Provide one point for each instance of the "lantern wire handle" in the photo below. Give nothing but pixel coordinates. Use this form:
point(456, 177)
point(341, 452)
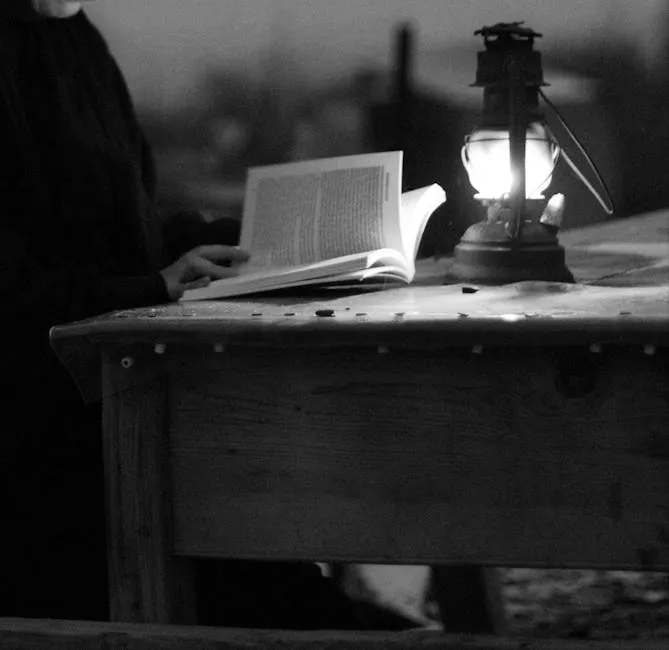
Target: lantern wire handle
point(606, 205)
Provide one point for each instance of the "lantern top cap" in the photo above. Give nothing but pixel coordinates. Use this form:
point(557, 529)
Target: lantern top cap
point(507, 43)
point(507, 31)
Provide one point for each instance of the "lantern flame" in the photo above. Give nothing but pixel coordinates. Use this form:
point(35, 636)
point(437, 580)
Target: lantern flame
point(487, 159)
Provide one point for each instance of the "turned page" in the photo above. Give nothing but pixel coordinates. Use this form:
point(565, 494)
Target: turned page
point(312, 211)
point(416, 208)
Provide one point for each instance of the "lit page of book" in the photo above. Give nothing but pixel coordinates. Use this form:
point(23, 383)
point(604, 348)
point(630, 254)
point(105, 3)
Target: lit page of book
point(305, 213)
point(416, 208)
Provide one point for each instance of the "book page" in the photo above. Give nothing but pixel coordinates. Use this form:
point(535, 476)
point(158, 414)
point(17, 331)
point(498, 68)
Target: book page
point(262, 280)
point(416, 208)
point(361, 266)
point(311, 211)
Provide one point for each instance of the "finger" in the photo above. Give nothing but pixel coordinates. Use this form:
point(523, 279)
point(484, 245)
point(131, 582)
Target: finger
point(221, 253)
point(207, 268)
point(195, 284)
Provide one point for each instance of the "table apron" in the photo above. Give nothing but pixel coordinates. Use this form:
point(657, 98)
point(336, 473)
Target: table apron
point(511, 457)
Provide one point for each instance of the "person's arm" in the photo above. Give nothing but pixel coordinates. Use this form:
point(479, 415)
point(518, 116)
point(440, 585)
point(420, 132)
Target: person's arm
point(57, 290)
point(38, 279)
point(47, 276)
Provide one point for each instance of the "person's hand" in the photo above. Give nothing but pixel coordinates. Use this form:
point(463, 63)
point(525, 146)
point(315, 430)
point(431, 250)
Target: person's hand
point(199, 266)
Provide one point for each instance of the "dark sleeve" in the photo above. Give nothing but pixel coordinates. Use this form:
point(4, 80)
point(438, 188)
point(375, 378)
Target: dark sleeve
point(56, 290)
point(39, 280)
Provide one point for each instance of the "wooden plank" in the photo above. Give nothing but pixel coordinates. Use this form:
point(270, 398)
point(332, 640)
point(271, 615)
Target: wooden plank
point(417, 318)
point(511, 457)
point(147, 583)
point(652, 227)
point(435, 318)
point(35, 634)
point(634, 250)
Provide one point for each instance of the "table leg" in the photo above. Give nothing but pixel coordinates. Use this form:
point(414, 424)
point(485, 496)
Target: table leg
point(470, 599)
point(147, 583)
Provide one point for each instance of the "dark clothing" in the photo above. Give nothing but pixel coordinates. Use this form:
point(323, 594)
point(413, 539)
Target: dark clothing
point(78, 236)
point(76, 200)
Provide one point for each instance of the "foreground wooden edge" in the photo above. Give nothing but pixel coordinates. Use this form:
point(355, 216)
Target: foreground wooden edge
point(38, 634)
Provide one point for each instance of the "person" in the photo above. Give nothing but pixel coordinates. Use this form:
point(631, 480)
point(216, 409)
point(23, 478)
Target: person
point(79, 236)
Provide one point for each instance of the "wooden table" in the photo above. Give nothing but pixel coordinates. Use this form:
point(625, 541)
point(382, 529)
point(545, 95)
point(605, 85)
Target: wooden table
point(517, 425)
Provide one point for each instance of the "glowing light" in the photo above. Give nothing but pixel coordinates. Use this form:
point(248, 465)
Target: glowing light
point(487, 159)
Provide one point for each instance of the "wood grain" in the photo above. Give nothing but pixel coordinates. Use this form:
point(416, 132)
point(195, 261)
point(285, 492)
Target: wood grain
point(649, 228)
point(277, 433)
point(513, 457)
point(23, 634)
point(147, 583)
point(621, 268)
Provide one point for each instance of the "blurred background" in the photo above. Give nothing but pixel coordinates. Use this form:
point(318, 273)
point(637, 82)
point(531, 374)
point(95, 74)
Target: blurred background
point(224, 84)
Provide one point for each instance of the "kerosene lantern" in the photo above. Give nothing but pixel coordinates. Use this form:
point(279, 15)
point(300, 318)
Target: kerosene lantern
point(510, 159)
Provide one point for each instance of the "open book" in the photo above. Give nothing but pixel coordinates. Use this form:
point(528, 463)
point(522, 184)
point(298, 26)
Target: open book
point(328, 221)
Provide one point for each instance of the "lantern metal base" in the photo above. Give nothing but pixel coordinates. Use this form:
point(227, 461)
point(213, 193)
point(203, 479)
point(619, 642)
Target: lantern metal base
point(486, 255)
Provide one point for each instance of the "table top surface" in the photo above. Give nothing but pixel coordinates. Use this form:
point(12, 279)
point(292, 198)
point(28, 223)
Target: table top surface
point(622, 281)
point(621, 296)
